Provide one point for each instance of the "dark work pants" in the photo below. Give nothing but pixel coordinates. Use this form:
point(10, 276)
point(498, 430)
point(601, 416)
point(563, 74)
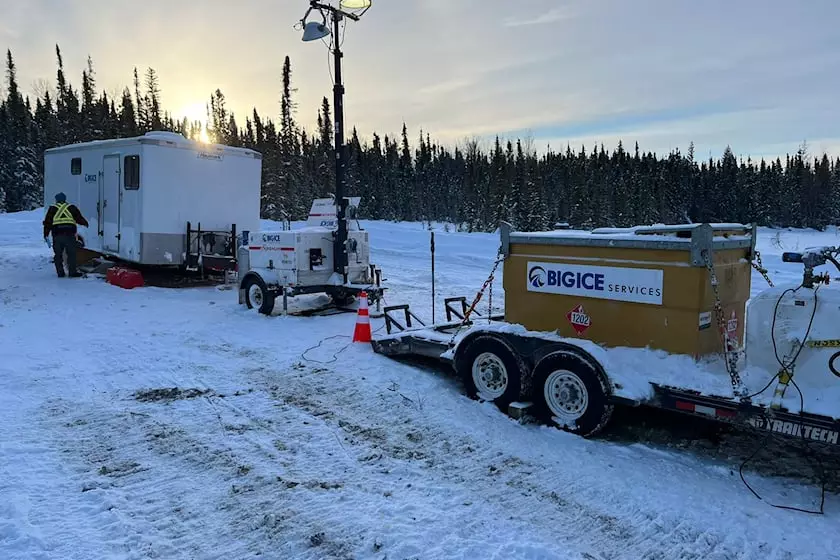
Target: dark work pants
point(62, 243)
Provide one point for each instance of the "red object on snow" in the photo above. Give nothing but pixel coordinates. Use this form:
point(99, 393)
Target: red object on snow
point(362, 332)
point(124, 278)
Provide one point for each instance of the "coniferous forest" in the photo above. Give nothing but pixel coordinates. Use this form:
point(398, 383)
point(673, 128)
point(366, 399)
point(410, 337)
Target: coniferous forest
point(411, 177)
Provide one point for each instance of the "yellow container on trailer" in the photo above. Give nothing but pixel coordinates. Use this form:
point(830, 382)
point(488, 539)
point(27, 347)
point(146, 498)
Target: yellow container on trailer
point(637, 287)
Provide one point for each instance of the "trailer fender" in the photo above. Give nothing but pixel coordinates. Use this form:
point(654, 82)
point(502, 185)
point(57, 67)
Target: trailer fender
point(268, 276)
point(527, 349)
point(244, 282)
point(266, 279)
point(256, 294)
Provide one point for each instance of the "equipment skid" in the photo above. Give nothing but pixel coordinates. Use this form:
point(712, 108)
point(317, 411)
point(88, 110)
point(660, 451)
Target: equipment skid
point(646, 316)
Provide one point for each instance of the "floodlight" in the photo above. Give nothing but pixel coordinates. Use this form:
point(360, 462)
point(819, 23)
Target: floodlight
point(314, 30)
point(355, 4)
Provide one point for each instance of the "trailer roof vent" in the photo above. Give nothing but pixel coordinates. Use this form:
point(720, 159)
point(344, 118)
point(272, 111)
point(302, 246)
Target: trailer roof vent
point(167, 136)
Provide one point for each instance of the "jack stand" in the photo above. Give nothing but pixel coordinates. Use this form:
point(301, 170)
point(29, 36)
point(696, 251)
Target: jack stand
point(285, 302)
point(376, 274)
point(378, 313)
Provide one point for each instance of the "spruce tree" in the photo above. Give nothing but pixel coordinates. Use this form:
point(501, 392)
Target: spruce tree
point(22, 180)
point(325, 153)
point(6, 149)
point(423, 180)
point(153, 101)
point(128, 126)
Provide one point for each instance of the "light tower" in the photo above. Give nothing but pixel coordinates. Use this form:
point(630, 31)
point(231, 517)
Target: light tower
point(313, 31)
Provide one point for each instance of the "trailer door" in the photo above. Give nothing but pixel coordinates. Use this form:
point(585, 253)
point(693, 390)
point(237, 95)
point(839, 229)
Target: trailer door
point(111, 203)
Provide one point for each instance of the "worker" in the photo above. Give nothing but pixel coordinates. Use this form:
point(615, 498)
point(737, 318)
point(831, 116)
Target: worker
point(61, 220)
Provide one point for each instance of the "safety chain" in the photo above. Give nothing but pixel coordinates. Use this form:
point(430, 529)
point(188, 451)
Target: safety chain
point(490, 302)
point(478, 296)
point(730, 355)
point(756, 264)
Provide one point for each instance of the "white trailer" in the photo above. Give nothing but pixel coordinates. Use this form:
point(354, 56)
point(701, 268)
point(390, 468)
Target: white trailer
point(159, 199)
point(286, 262)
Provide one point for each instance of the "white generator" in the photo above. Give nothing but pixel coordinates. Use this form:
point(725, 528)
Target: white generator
point(159, 199)
point(288, 262)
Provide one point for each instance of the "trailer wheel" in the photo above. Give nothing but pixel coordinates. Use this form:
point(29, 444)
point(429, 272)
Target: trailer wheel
point(258, 296)
point(491, 371)
point(569, 392)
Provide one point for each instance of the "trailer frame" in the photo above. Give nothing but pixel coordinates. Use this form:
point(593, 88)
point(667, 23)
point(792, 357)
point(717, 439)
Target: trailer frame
point(445, 343)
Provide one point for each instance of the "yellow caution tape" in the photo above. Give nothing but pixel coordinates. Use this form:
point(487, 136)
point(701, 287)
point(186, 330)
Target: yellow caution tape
point(823, 344)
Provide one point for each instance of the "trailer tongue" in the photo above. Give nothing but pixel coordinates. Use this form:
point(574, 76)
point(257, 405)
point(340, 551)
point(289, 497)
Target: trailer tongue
point(652, 316)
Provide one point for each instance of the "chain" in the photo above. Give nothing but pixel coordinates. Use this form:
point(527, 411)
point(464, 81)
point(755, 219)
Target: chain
point(729, 353)
point(756, 264)
point(478, 296)
point(490, 303)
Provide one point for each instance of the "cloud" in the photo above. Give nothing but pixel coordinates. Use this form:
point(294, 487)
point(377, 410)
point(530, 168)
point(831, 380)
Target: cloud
point(756, 75)
point(552, 16)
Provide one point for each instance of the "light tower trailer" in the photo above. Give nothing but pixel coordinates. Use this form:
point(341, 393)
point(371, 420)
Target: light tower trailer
point(286, 263)
point(650, 316)
point(159, 199)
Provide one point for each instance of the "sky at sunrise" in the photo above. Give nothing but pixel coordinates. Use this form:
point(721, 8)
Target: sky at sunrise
point(761, 76)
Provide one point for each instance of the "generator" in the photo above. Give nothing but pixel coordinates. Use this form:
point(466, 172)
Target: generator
point(289, 262)
point(641, 287)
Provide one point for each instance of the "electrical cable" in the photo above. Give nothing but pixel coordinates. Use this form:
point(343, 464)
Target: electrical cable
point(786, 370)
point(323, 340)
point(335, 354)
point(808, 453)
point(329, 59)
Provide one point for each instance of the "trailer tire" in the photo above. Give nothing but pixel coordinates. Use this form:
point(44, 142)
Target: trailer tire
point(258, 296)
point(572, 394)
point(490, 356)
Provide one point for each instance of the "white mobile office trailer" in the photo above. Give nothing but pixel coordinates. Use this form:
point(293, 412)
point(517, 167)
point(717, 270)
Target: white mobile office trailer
point(158, 199)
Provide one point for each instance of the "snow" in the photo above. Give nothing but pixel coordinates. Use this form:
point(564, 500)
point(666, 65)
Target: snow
point(284, 440)
point(660, 233)
point(173, 138)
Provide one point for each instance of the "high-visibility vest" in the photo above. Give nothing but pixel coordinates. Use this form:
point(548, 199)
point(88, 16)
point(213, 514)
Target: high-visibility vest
point(63, 216)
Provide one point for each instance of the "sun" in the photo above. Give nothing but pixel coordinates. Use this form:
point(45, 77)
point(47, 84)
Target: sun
point(196, 112)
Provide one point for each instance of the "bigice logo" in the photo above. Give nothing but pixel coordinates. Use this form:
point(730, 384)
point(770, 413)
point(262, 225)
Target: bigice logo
point(637, 285)
point(536, 277)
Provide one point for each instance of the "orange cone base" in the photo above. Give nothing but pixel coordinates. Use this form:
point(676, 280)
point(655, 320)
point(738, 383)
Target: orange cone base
point(362, 332)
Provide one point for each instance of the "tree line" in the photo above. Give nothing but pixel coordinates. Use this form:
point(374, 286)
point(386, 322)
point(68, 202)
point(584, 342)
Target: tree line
point(419, 179)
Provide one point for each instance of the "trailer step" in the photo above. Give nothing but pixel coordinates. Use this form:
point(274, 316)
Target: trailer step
point(519, 410)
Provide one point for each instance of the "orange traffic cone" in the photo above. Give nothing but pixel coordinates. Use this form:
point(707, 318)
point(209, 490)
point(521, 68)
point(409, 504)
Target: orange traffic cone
point(362, 333)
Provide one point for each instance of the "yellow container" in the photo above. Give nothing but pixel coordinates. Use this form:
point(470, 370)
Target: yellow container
point(637, 287)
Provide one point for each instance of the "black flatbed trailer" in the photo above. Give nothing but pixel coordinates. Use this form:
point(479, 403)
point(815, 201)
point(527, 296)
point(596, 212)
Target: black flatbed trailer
point(449, 344)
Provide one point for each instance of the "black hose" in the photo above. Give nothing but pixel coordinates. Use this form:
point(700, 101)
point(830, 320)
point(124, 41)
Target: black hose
point(785, 369)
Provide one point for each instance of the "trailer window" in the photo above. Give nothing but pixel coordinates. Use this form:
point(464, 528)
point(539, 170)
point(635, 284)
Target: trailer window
point(76, 166)
point(132, 172)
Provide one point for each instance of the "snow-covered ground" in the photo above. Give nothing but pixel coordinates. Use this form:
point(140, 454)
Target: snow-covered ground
point(160, 423)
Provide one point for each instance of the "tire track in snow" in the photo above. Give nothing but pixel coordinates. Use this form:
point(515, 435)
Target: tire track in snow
point(335, 396)
point(490, 475)
point(520, 492)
